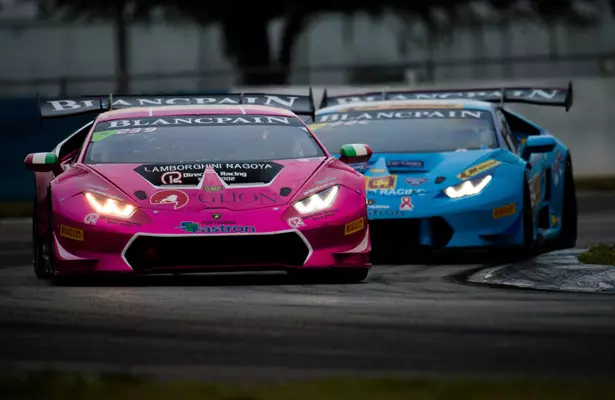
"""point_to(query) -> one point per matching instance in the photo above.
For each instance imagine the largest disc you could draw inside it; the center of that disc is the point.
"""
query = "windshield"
(200, 138)
(407, 131)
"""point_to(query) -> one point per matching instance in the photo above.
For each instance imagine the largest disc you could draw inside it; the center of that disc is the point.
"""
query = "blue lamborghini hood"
(427, 171)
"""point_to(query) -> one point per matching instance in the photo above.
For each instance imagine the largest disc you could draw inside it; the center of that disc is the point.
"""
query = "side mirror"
(538, 144)
(42, 162)
(355, 153)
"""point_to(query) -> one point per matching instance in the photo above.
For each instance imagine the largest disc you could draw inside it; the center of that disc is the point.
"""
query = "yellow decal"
(505, 211)
(377, 170)
(382, 182)
(477, 169)
(319, 125)
(71, 233)
(554, 220)
(354, 226)
(212, 188)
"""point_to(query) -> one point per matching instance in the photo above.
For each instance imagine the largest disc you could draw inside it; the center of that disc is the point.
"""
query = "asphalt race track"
(410, 318)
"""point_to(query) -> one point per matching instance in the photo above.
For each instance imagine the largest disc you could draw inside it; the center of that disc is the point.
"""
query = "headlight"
(468, 188)
(107, 206)
(317, 202)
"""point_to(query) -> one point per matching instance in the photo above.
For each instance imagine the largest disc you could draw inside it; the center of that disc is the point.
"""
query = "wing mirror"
(355, 153)
(538, 144)
(42, 162)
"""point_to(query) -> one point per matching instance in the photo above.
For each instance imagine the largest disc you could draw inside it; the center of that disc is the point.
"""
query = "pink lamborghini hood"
(195, 187)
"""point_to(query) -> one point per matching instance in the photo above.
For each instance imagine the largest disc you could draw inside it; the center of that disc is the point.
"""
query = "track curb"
(557, 270)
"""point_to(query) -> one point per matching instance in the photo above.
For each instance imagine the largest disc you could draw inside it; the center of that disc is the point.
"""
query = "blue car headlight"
(468, 188)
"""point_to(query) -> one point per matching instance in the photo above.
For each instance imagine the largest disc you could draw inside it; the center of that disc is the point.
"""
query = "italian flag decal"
(354, 150)
(41, 158)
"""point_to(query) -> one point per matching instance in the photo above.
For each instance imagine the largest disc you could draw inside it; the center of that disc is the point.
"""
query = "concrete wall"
(588, 129)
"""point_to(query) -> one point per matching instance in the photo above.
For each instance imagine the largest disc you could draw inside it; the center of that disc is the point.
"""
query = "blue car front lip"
(471, 219)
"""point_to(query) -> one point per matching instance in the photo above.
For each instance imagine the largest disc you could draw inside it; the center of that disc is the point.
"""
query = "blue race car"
(456, 169)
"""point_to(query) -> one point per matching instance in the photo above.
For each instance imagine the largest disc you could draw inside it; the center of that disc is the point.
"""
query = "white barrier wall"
(588, 129)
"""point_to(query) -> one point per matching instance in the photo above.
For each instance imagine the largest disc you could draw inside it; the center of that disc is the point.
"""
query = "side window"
(68, 150)
(512, 143)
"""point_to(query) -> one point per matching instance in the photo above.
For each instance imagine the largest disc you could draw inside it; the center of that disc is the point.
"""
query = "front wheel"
(569, 225)
(42, 248)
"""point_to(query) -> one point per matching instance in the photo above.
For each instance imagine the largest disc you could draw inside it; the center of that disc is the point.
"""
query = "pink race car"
(194, 184)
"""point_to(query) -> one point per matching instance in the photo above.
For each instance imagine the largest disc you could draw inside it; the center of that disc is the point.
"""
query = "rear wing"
(558, 97)
(300, 105)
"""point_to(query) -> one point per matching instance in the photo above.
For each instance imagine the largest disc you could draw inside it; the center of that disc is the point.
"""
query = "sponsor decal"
(321, 215)
(61, 106)
(557, 167)
(440, 179)
(415, 181)
(97, 187)
(377, 170)
(190, 174)
(100, 135)
(477, 169)
(554, 221)
(71, 233)
(378, 206)
(177, 198)
(295, 222)
(91, 219)
(321, 185)
(505, 211)
(402, 192)
(354, 226)
(535, 186)
(385, 182)
(546, 95)
(160, 122)
(212, 188)
(217, 220)
(384, 213)
(372, 115)
(405, 163)
(195, 227)
(406, 203)
(226, 197)
(371, 202)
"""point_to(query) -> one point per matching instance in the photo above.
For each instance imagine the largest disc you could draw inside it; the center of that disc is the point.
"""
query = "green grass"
(54, 385)
(24, 209)
(602, 254)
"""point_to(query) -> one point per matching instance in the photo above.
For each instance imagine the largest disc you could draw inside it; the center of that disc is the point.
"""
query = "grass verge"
(593, 184)
(602, 254)
(56, 385)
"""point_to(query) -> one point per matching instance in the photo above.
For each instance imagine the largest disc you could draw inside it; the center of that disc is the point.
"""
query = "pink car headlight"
(108, 206)
(318, 201)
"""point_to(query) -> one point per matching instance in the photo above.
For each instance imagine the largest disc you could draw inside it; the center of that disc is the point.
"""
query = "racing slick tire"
(334, 275)
(43, 247)
(40, 246)
(567, 237)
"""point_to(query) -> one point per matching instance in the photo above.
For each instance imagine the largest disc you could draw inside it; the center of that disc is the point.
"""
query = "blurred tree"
(246, 26)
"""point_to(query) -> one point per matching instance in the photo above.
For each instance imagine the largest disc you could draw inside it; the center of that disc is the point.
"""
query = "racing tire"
(567, 237)
(528, 247)
(39, 247)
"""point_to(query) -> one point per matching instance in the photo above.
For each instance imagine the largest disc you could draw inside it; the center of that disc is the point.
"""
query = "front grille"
(155, 252)
(401, 234)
